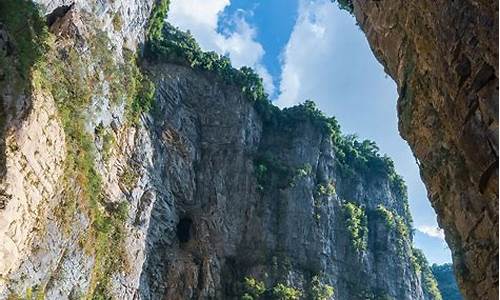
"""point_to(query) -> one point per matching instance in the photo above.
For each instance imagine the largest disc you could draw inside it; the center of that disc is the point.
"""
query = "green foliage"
(34, 293)
(107, 139)
(129, 177)
(345, 5)
(447, 283)
(395, 222)
(72, 79)
(290, 117)
(261, 174)
(361, 157)
(387, 215)
(304, 171)
(26, 27)
(254, 289)
(140, 89)
(180, 47)
(157, 19)
(284, 292)
(320, 290)
(325, 189)
(270, 171)
(429, 283)
(117, 22)
(357, 225)
(402, 228)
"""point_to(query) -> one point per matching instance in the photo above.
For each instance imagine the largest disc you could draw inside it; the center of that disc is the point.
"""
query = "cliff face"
(447, 283)
(165, 181)
(265, 201)
(444, 57)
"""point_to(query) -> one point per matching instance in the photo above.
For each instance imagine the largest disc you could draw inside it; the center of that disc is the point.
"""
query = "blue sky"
(309, 49)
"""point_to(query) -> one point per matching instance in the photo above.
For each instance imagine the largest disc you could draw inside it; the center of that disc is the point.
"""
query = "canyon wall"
(444, 57)
(131, 175)
(159, 172)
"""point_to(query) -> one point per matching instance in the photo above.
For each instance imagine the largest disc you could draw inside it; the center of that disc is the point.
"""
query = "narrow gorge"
(136, 166)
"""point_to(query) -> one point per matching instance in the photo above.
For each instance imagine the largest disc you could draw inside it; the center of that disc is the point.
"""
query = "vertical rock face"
(109, 190)
(444, 57)
(203, 197)
(446, 281)
(215, 220)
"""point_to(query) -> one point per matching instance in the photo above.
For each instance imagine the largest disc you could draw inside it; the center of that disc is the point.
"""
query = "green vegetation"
(395, 222)
(320, 290)
(447, 284)
(322, 189)
(429, 283)
(140, 89)
(180, 47)
(107, 139)
(304, 171)
(28, 33)
(117, 22)
(345, 5)
(74, 80)
(254, 289)
(269, 171)
(129, 177)
(356, 222)
(157, 19)
(35, 293)
(284, 292)
(325, 189)
(353, 157)
(387, 215)
(32, 293)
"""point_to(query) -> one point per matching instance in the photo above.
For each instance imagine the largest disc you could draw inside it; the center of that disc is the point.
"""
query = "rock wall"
(201, 198)
(444, 57)
(209, 141)
(204, 196)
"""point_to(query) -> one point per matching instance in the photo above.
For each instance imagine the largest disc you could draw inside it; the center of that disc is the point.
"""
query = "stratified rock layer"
(444, 57)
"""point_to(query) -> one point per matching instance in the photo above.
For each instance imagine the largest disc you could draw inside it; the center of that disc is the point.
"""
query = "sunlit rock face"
(188, 199)
(444, 57)
(184, 201)
(123, 20)
(214, 221)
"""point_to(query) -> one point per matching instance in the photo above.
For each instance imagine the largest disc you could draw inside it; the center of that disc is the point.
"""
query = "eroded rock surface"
(185, 201)
(444, 57)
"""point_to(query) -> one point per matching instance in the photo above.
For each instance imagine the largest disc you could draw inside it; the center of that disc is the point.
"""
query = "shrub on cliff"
(320, 290)
(285, 292)
(254, 289)
(422, 268)
(356, 223)
(180, 47)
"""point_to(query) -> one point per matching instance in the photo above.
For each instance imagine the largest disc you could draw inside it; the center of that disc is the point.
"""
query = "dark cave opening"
(184, 229)
(57, 13)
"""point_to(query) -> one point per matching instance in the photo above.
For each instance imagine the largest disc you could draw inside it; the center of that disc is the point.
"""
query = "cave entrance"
(57, 13)
(183, 230)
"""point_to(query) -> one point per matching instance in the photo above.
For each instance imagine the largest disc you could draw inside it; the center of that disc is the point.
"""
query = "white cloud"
(201, 17)
(432, 231)
(306, 57)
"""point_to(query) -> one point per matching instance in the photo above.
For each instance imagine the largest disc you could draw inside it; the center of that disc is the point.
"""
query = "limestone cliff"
(164, 173)
(444, 57)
